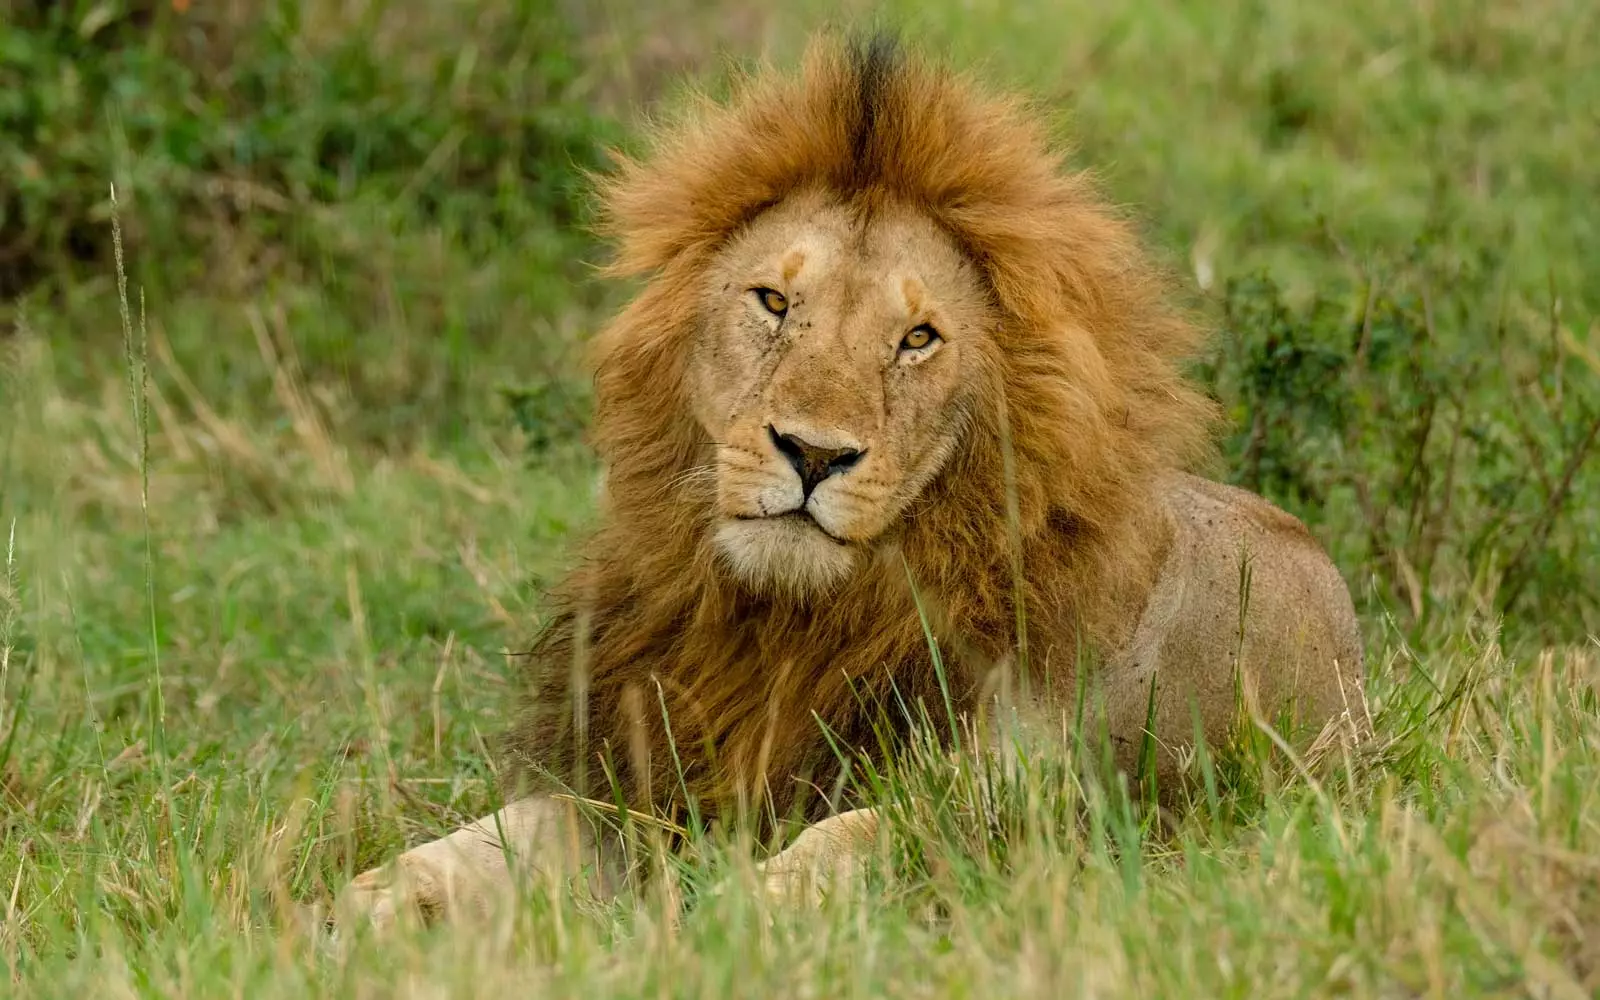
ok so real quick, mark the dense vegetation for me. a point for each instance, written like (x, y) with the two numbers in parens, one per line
(275, 492)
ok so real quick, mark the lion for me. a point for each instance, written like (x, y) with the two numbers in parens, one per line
(895, 380)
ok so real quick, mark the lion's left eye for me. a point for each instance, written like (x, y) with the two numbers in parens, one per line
(920, 338)
(773, 301)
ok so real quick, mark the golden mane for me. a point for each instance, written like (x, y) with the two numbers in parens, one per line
(651, 632)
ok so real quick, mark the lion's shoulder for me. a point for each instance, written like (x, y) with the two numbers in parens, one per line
(1220, 531)
(1242, 582)
(1206, 505)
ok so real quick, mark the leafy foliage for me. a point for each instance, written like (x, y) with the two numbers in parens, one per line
(279, 110)
(1439, 440)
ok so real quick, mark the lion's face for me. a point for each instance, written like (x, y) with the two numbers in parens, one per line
(835, 371)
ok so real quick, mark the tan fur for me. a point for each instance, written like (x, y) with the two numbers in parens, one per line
(1035, 451)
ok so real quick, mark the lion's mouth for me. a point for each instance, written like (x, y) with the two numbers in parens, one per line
(799, 517)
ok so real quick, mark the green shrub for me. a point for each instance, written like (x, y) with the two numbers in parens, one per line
(391, 193)
(276, 114)
(1433, 428)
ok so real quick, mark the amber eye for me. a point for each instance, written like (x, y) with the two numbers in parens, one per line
(919, 337)
(772, 301)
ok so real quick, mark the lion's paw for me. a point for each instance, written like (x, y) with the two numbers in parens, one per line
(411, 888)
(826, 860)
(795, 889)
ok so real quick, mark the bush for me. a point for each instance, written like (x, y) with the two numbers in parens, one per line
(1437, 431)
(278, 112)
(396, 190)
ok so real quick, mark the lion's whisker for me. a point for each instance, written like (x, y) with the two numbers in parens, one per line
(686, 477)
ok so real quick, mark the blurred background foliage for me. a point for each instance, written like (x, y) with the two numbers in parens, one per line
(1386, 217)
(376, 170)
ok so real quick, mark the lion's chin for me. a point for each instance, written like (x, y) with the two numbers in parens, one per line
(786, 555)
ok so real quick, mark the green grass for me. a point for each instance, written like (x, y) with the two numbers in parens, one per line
(363, 465)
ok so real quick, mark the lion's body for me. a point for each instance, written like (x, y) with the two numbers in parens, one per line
(1244, 585)
(894, 371)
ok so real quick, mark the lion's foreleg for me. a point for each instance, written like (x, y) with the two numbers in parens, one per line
(463, 874)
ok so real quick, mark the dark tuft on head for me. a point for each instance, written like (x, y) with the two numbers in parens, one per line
(874, 62)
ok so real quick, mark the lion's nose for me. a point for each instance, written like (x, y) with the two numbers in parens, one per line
(813, 462)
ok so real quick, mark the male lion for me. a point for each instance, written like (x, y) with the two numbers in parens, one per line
(891, 363)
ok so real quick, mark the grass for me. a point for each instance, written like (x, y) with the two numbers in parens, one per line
(253, 606)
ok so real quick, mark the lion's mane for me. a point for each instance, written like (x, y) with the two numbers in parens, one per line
(657, 668)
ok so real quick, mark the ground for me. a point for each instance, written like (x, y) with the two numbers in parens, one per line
(255, 604)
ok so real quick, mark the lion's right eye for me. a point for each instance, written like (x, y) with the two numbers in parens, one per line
(772, 301)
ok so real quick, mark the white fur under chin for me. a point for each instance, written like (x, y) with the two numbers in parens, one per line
(783, 555)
